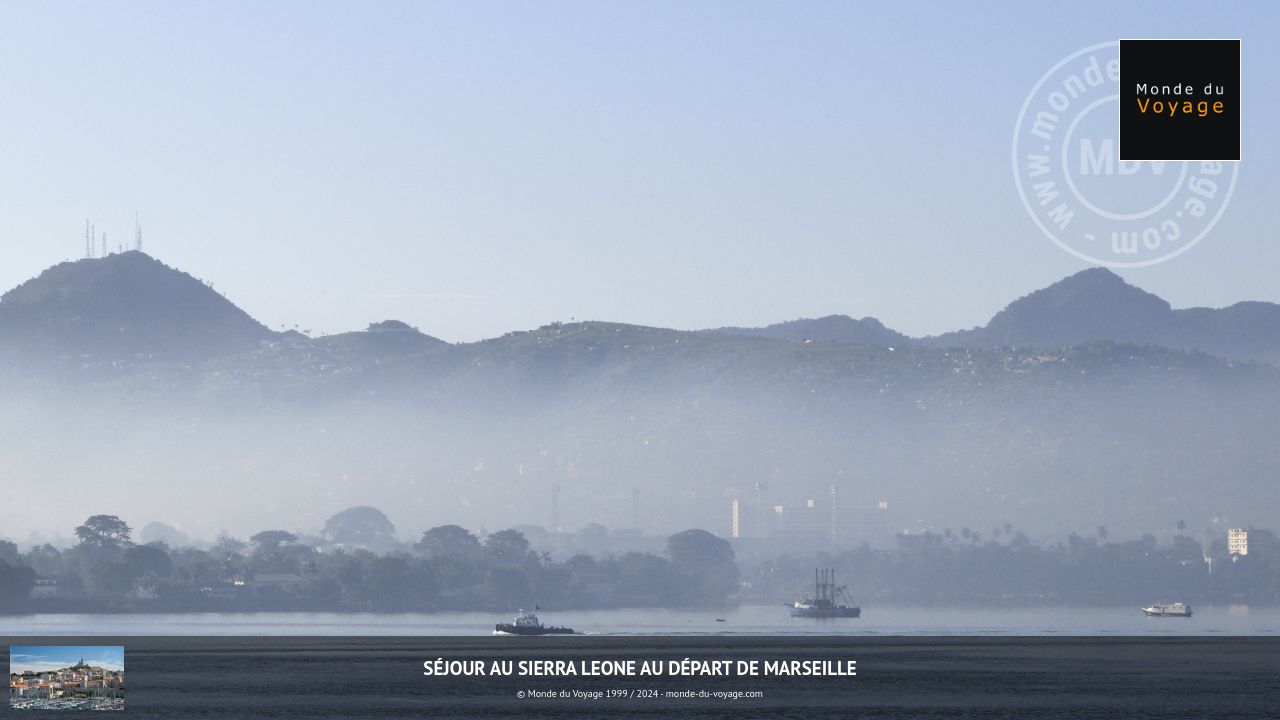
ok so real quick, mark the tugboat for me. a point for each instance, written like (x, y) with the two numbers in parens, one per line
(526, 623)
(1168, 610)
(825, 600)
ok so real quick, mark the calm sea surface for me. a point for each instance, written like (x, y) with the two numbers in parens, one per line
(743, 620)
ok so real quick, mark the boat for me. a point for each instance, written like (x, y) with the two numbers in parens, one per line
(1167, 610)
(526, 623)
(827, 601)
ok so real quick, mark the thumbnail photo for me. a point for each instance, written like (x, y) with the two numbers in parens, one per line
(66, 677)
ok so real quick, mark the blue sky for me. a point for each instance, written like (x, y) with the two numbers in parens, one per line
(474, 168)
(40, 658)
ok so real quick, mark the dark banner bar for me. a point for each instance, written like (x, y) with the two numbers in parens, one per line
(694, 677)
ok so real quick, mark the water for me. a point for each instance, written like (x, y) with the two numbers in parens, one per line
(1221, 620)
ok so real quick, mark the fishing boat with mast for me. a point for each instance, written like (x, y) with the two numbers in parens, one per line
(828, 600)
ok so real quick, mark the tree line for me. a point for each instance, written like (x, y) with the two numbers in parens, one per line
(356, 564)
(963, 567)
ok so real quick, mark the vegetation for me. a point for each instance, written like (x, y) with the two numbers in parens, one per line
(451, 568)
(963, 567)
(448, 568)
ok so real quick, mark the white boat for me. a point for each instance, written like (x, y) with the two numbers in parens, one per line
(526, 623)
(1167, 610)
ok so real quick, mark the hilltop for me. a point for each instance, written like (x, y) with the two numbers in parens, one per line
(831, 328)
(121, 306)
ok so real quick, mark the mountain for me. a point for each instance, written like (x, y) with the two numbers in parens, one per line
(832, 328)
(122, 306)
(1097, 305)
(1094, 305)
(1004, 423)
(1249, 330)
(1091, 305)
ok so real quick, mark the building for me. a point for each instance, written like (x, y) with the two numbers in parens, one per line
(1238, 541)
(44, 588)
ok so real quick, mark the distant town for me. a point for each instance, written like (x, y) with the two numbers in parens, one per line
(79, 687)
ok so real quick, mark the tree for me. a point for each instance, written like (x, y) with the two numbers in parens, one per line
(277, 551)
(156, 531)
(105, 531)
(194, 567)
(16, 582)
(147, 562)
(698, 548)
(448, 541)
(507, 587)
(706, 561)
(395, 583)
(362, 527)
(1186, 549)
(227, 545)
(646, 579)
(45, 559)
(109, 578)
(582, 563)
(8, 552)
(270, 540)
(508, 547)
(594, 535)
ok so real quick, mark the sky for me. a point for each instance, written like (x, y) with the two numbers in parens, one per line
(474, 168)
(42, 658)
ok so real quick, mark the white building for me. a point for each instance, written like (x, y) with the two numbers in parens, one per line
(1238, 541)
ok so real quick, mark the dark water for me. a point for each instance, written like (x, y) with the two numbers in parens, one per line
(952, 677)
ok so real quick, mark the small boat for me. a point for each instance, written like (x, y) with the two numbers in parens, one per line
(719, 619)
(526, 623)
(825, 602)
(1167, 610)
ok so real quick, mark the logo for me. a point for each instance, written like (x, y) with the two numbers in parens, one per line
(1180, 99)
(1082, 196)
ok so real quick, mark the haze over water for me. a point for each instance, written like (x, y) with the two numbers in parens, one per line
(1217, 620)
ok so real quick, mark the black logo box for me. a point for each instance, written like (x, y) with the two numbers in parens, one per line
(1185, 67)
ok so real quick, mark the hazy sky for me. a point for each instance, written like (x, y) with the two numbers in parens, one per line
(473, 168)
(44, 658)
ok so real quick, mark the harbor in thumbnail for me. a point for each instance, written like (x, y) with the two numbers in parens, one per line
(89, 677)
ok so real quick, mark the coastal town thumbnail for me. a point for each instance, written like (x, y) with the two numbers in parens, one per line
(66, 677)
